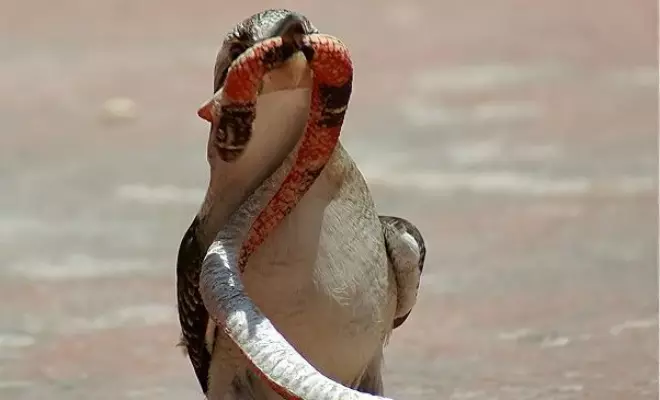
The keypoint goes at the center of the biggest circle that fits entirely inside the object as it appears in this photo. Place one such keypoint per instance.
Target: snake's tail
(272, 357)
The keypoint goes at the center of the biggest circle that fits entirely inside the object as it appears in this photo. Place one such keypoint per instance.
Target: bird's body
(333, 276)
(322, 279)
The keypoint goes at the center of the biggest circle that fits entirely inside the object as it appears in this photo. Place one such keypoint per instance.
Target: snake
(288, 374)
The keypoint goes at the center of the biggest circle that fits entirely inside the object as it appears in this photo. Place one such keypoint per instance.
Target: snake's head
(292, 74)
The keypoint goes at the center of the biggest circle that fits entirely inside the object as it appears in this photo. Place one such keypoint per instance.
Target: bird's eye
(236, 50)
(222, 67)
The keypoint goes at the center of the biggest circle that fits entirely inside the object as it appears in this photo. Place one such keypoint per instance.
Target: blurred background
(519, 136)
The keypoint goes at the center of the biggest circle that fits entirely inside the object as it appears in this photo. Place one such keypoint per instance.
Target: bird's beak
(206, 110)
(295, 73)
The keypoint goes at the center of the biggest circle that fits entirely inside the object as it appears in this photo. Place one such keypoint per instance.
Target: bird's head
(281, 113)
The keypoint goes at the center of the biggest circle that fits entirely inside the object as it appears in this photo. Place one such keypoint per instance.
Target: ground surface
(519, 137)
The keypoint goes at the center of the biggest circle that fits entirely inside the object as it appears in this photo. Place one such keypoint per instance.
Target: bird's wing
(406, 253)
(193, 316)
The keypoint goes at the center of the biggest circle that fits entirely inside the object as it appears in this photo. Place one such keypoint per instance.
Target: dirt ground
(519, 136)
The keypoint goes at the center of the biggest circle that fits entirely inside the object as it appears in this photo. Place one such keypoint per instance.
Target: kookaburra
(334, 277)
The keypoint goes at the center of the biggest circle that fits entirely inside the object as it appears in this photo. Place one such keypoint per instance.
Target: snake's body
(331, 90)
(333, 74)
